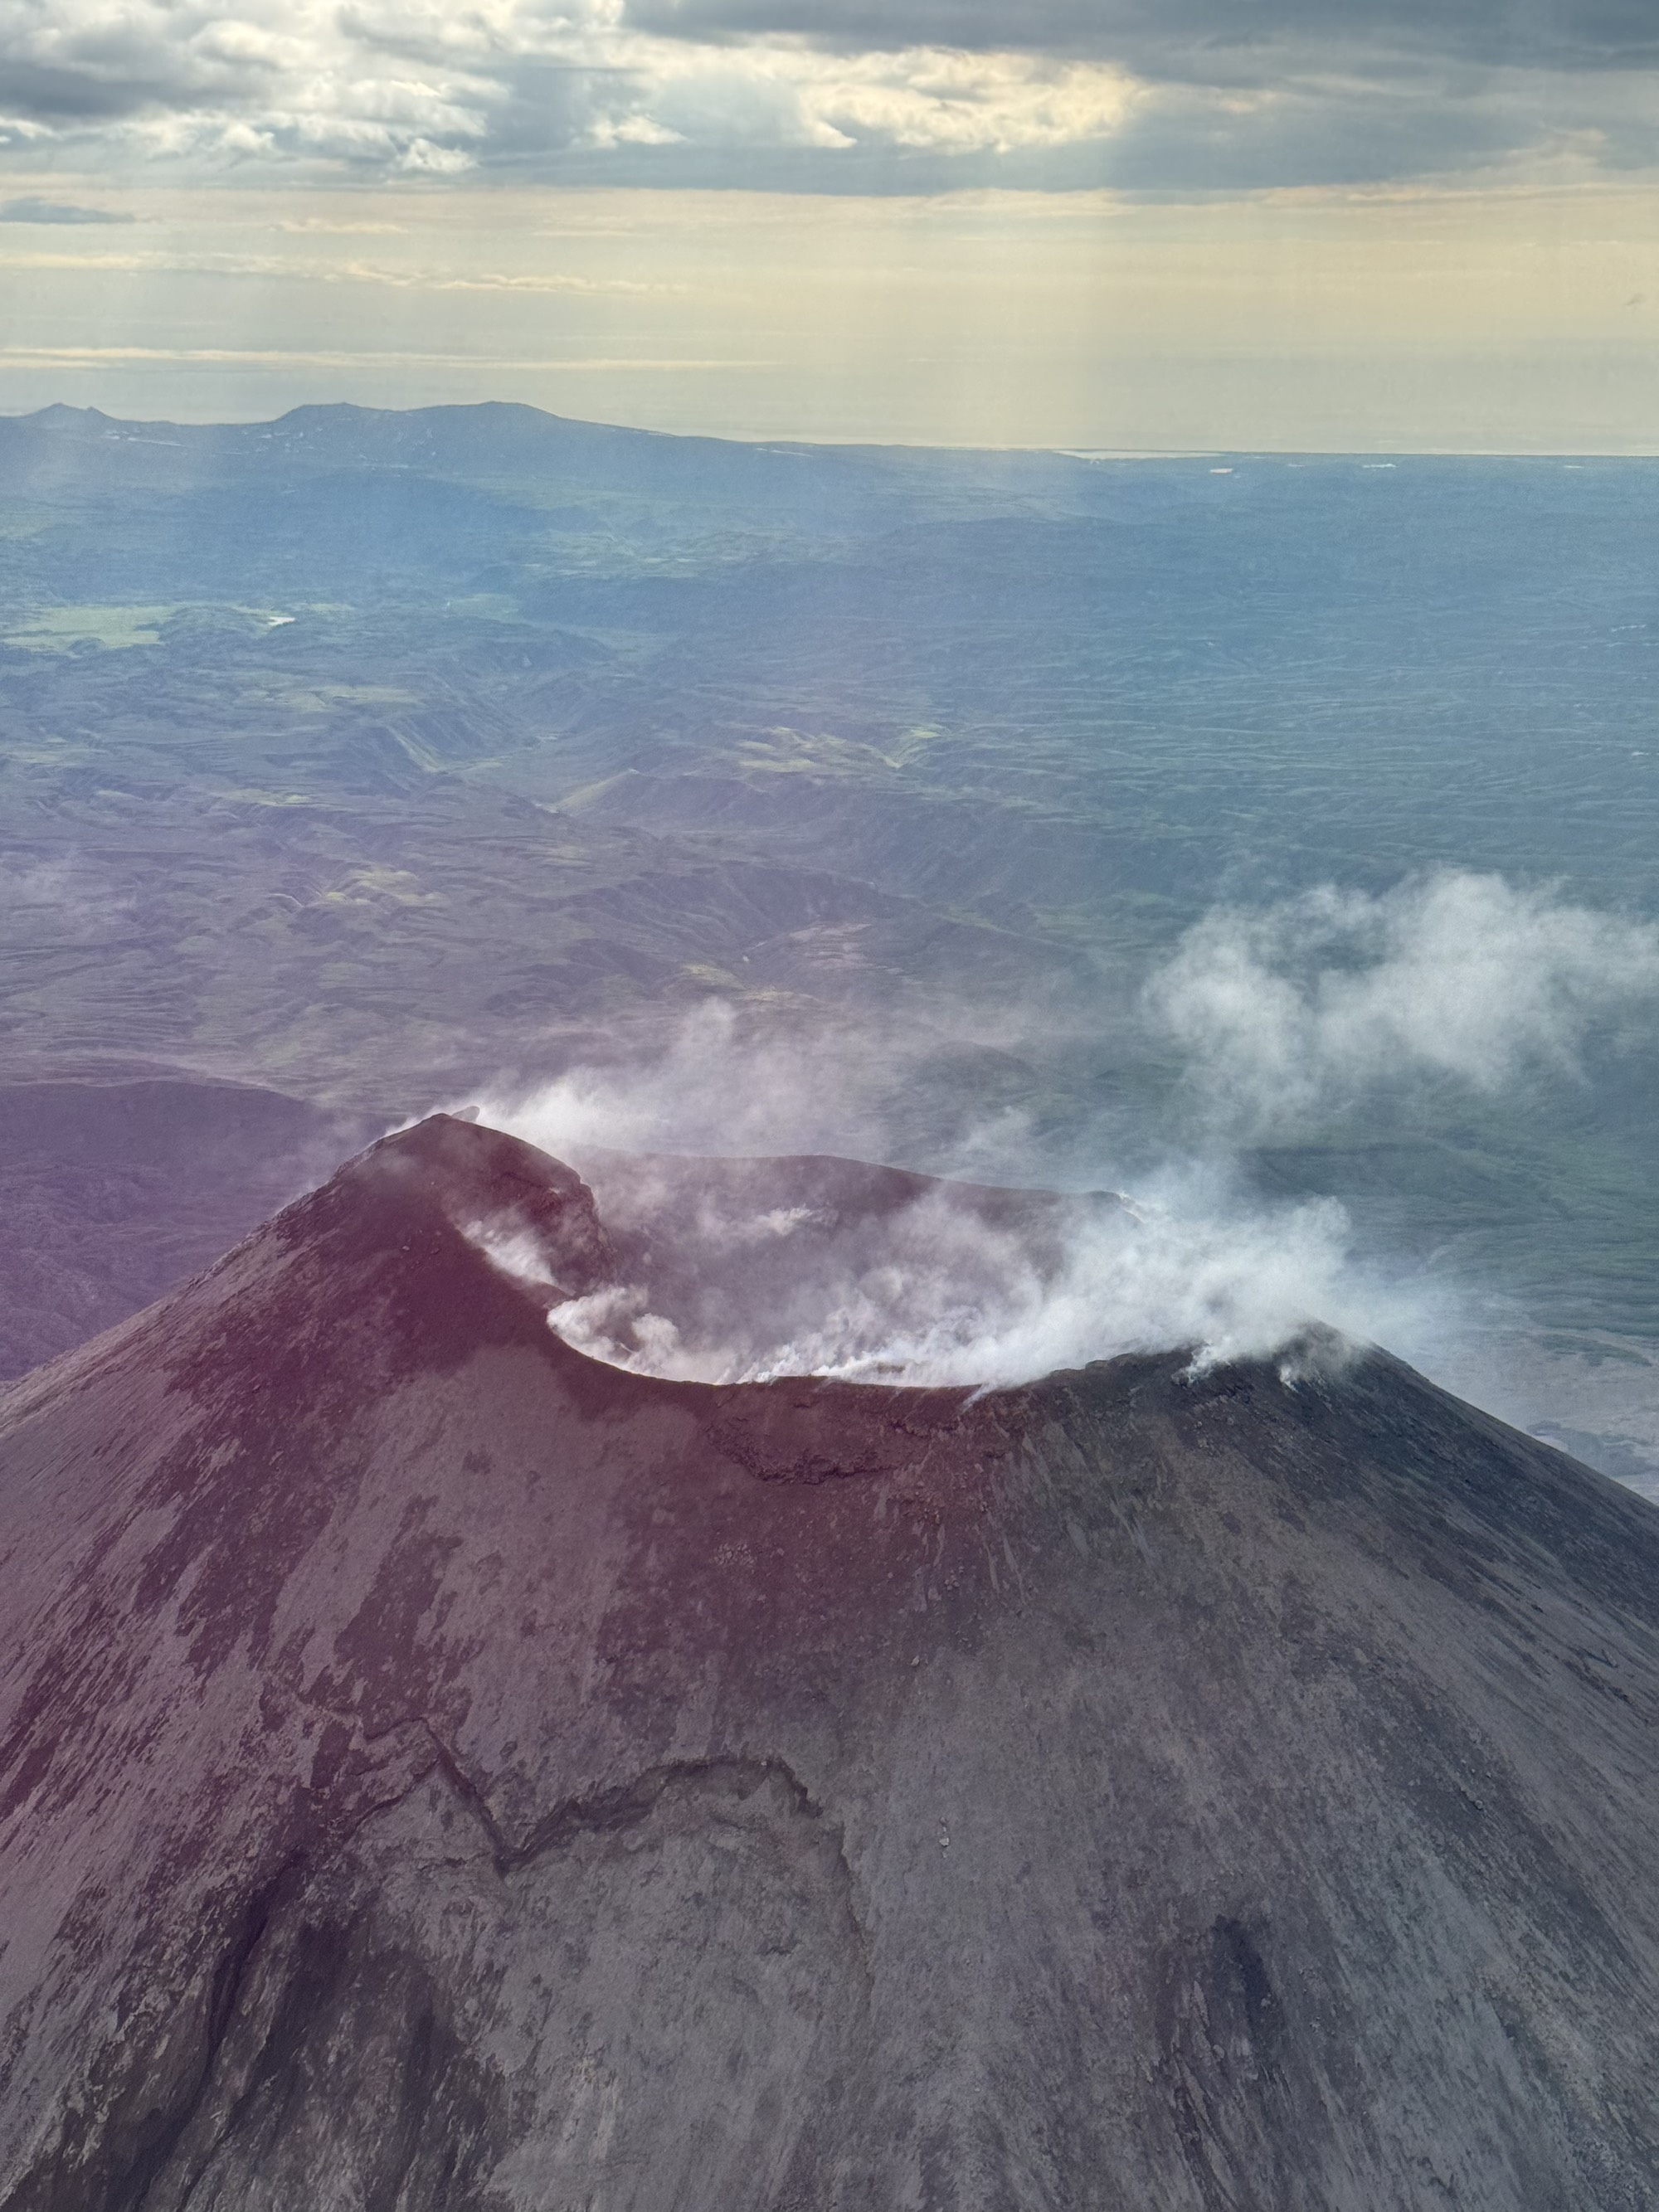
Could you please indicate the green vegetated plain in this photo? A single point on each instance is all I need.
(369, 755)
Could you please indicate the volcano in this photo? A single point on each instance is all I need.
(443, 1772)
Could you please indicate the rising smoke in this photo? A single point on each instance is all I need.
(938, 1296)
(1281, 1016)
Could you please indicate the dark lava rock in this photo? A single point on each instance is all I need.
(440, 1773)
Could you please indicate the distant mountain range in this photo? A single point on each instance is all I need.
(442, 1773)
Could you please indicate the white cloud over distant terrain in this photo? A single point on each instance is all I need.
(1298, 1011)
(1200, 94)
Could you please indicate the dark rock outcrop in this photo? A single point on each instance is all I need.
(441, 1773)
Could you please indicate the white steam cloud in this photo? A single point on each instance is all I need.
(928, 1289)
(1281, 1015)
(942, 1297)
(714, 1087)
(1303, 1009)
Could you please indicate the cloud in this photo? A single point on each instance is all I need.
(64, 900)
(1283, 1017)
(288, 357)
(266, 267)
(427, 90)
(935, 1296)
(721, 1084)
(1196, 39)
(933, 1287)
(1291, 1014)
(29, 210)
(337, 228)
(1197, 96)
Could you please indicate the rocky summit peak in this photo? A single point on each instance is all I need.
(446, 1178)
(492, 1187)
(436, 1242)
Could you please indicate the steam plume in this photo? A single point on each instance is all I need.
(1300, 1009)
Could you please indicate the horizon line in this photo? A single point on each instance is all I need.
(1086, 454)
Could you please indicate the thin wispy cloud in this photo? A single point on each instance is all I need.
(29, 208)
(291, 357)
(267, 267)
(303, 226)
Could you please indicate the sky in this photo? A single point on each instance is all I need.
(1113, 225)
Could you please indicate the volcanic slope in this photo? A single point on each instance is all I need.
(442, 1773)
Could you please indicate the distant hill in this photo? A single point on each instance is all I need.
(519, 447)
(441, 1772)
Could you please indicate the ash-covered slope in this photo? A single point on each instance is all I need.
(443, 1773)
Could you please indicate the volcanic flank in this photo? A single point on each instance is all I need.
(443, 1772)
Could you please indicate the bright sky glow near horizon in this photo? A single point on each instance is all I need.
(1093, 223)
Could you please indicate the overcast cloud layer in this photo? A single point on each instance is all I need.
(1162, 95)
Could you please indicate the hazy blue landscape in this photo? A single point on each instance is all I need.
(843, 799)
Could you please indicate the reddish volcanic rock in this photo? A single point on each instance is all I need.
(442, 1773)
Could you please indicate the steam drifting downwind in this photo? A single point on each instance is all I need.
(941, 1297)
(1281, 1015)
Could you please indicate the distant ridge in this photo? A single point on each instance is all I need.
(421, 430)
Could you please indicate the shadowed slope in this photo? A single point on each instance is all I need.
(443, 1772)
(118, 1185)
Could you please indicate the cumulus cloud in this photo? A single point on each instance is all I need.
(429, 88)
(1197, 96)
(1295, 1012)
